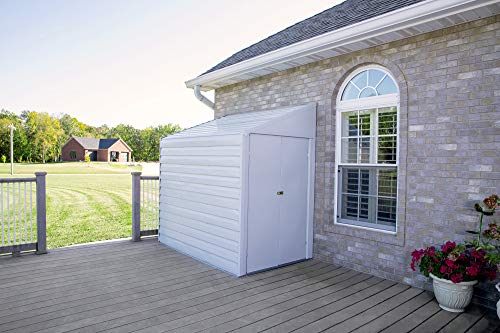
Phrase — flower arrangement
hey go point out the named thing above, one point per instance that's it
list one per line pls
(473, 260)
(458, 263)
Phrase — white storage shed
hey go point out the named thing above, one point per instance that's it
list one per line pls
(237, 192)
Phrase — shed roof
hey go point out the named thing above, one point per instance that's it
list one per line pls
(95, 143)
(247, 122)
(336, 17)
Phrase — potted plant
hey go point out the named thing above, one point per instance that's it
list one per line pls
(455, 269)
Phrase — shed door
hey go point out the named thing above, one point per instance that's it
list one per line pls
(277, 223)
(263, 209)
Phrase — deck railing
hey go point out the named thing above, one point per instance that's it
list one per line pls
(145, 205)
(19, 232)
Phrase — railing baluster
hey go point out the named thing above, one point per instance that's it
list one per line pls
(25, 217)
(8, 212)
(14, 211)
(3, 222)
(31, 211)
(20, 224)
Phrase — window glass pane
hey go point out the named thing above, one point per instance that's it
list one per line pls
(368, 92)
(387, 183)
(386, 214)
(365, 122)
(387, 149)
(374, 77)
(387, 86)
(349, 150)
(350, 123)
(387, 121)
(350, 92)
(365, 149)
(360, 80)
(349, 206)
(350, 181)
(364, 186)
(364, 208)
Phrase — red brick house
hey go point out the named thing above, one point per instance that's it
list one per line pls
(101, 150)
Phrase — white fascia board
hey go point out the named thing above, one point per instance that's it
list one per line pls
(403, 18)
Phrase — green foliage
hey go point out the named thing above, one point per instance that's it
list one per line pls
(39, 137)
(4, 158)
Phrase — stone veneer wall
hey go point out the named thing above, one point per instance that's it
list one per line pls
(449, 148)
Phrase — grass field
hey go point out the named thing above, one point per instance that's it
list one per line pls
(69, 168)
(86, 202)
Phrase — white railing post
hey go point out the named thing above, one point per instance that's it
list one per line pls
(41, 213)
(136, 206)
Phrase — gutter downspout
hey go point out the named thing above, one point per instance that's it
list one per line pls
(203, 99)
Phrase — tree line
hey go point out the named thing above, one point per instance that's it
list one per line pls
(39, 137)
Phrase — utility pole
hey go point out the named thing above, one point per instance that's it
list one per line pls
(12, 128)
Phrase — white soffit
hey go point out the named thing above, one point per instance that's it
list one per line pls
(406, 22)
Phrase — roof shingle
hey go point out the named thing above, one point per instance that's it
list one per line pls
(339, 16)
(94, 143)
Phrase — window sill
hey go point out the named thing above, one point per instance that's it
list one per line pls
(366, 226)
(378, 235)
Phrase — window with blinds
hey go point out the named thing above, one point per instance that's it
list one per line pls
(367, 151)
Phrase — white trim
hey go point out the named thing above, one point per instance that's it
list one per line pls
(375, 102)
(403, 18)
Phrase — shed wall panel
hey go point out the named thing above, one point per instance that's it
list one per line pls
(200, 195)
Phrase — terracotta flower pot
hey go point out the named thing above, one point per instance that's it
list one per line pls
(453, 297)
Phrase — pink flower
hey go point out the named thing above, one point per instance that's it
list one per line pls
(456, 278)
(443, 269)
(449, 263)
(449, 246)
(472, 271)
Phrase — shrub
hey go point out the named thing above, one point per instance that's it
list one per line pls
(4, 158)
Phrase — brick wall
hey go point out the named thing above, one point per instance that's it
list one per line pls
(72, 145)
(449, 157)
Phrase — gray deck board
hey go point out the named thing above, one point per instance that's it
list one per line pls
(143, 287)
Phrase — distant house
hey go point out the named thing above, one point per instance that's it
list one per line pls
(101, 150)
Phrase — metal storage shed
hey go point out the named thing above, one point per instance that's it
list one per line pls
(237, 192)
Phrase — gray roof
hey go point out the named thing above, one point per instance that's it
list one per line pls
(94, 143)
(339, 16)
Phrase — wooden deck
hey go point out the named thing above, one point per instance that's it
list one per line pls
(146, 287)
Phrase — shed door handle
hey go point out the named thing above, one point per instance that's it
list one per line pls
(279, 193)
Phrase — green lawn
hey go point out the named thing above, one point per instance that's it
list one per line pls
(69, 168)
(86, 202)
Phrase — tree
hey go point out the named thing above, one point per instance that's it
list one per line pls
(45, 134)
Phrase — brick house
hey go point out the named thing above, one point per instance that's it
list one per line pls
(100, 150)
(418, 79)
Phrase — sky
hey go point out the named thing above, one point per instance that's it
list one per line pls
(126, 61)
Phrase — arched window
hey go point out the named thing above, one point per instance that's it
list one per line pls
(367, 150)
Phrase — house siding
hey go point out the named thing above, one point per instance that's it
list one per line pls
(449, 158)
(121, 148)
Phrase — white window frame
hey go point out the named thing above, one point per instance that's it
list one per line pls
(388, 100)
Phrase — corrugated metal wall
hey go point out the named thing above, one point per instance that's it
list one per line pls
(200, 198)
